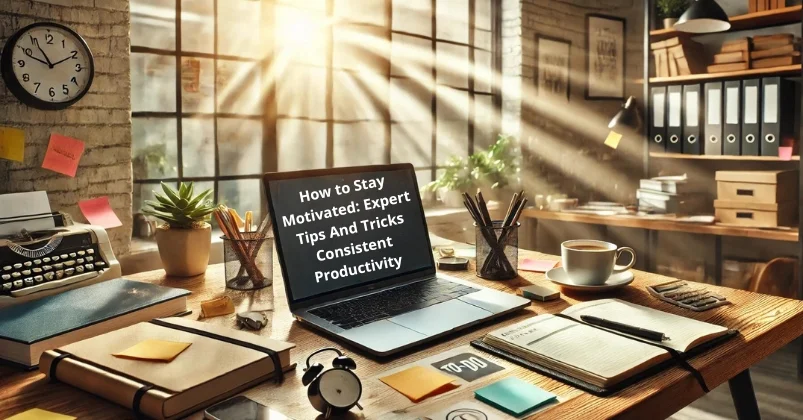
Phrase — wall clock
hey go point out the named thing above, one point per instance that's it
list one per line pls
(47, 66)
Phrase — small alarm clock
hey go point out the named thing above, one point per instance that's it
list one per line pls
(332, 392)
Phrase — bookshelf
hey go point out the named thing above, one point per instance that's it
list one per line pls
(704, 77)
(764, 19)
(662, 155)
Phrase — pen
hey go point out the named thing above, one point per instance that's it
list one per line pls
(627, 329)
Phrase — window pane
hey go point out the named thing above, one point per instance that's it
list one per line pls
(197, 84)
(452, 65)
(360, 48)
(144, 192)
(153, 23)
(483, 71)
(238, 87)
(411, 56)
(423, 177)
(411, 101)
(198, 25)
(153, 147)
(239, 146)
(300, 35)
(414, 16)
(302, 144)
(359, 144)
(153, 83)
(485, 117)
(242, 195)
(482, 14)
(452, 18)
(239, 23)
(452, 115)
(198, 146)
(301, 91)
(359, 97)
(319, 5)
(362, 11)
(201, 186)
(411, 143)
(483, 39)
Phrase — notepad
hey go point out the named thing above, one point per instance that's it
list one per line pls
(541, 266)
(12, 144)
(39, 414)
(514, 396)
(419, 382)
(154, 350)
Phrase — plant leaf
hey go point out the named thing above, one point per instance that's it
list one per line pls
(170, 193)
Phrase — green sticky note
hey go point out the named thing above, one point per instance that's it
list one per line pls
(514, 396)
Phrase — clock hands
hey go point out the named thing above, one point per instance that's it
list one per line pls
(61, 61)
(36, 41)
(27, 51)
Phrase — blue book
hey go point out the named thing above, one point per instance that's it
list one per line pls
(29, 329)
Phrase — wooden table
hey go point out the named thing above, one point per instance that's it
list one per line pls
(766, 324)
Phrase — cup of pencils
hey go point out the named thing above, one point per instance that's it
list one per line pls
(497, 240)
(247, 250)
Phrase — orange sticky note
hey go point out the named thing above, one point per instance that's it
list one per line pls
(39, 414)
(99, 212)
(12, 144)
(154, 350)
(541, 266)
(419, 382)
(613, 139)
(63, 154)
(785, 152)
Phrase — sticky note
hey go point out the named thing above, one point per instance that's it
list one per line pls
(785, 152)
(419, 382)
(514, 396)
(613, 139)
(39, 414)
(217, 307)
(12, 144)
(541, 266)
(99, 212)
(153, 350)
(63, 154)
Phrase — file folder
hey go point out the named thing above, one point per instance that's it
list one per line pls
(713, 118)
(692, 121)
(674, 127)
(732, 125)
(777, 113)
(658, 124)
(751, 115)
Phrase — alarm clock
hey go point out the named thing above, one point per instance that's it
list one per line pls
(334, 391)
(47, 66)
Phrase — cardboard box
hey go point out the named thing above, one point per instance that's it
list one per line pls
(757, 186)
(761, 215)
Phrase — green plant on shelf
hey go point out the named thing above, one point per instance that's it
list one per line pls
(671, 8)
(497, 168)
(180, 209)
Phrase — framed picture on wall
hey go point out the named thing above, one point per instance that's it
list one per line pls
(553, 57)
(605, 57)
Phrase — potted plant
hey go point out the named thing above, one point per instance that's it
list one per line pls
(185, 237)
(671, 10)
(453, 182)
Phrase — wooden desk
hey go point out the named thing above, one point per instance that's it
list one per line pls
(766, 323)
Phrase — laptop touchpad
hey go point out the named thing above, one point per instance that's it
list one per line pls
(441, 317)
(382, 336)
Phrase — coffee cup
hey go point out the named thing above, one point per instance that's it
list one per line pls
(590, 262)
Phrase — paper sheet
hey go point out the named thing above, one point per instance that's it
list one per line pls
(99, 212)
(63, 154)
(514, 396)
(419, 382)
(540, 266)
(18, 206)
(39, 414)
(613, 139)
(153, 350)
(12, 144)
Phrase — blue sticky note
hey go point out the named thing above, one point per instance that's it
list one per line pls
(514, 396)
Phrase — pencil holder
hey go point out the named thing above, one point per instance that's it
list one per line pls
(497, 251)
(248, 261)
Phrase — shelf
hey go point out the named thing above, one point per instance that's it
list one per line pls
(662, 155)
(769, 71)
(664, 224)
(764, 19)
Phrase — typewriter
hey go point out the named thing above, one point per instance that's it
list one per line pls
(41, 263)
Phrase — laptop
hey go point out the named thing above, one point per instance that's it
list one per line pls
(357, 263)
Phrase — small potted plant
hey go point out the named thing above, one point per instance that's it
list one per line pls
(185, 237)
(453, 182)
(671, 10)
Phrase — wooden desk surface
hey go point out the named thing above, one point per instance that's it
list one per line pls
(766, 324)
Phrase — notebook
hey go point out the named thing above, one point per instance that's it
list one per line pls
(596, 356)
(219, 363)
(514, 396)
(28, 329)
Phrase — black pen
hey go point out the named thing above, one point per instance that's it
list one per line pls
(624, 328)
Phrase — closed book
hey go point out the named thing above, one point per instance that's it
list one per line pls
(658, 119)
(669, 42)
(774, 52)
(776, 61)
(661, 64)
(732, 125)
(674, 123)
(713, 118)
(760, 39)
(730, 57)
(770, 44)
(780, 99)
(27, 330)
(751, 116)
(667, 186)
(692, 121)
(721, 68)
(218, 363)
(742, 44)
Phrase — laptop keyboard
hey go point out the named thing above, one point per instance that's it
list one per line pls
(391, 302)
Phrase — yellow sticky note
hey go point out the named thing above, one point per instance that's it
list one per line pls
(419, 382)
(12, 144)
(613, 139)
(39, 414)
(153, 350)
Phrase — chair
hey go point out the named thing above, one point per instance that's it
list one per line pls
(778, 277)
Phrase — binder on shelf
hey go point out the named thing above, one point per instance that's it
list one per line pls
(674, 125)
(751, 123)
(691, 121)
(777, 113)
(658, 124)
(732, 126)
(713, 118)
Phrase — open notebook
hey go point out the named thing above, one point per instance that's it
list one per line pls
(594, 355)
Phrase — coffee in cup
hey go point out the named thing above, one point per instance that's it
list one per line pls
(590, 262)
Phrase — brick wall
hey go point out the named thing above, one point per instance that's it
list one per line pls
(563, 142)
(101, 119)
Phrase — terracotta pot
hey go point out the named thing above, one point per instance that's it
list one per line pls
(670, 22)
(184, 252)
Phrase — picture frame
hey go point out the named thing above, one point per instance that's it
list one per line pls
(605, 57)
(553, 66)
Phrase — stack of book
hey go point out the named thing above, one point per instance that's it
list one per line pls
(733, 56)
(775, 50)
(669, 195)
(678, 56)
(762, 5)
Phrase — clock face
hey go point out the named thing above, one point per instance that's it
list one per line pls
(47, 66)
(340, 388)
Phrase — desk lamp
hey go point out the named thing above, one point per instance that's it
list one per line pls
(702, 17)
(627, 118)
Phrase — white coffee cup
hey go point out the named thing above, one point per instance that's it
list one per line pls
(590, 262)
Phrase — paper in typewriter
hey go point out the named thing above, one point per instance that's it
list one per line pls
(29, 210)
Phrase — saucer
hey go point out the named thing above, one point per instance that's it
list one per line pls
(558, 276)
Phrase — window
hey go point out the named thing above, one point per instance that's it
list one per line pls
(343, 82)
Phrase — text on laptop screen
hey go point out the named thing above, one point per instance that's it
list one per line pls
(343, 230)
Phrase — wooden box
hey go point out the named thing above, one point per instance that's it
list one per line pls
(757, 186)
(760, 215)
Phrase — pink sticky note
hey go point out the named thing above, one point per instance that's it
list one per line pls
(63, 154)
(541, 266)
(785, 152)
(99, 212)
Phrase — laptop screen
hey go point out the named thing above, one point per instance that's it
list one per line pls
(348, 229)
